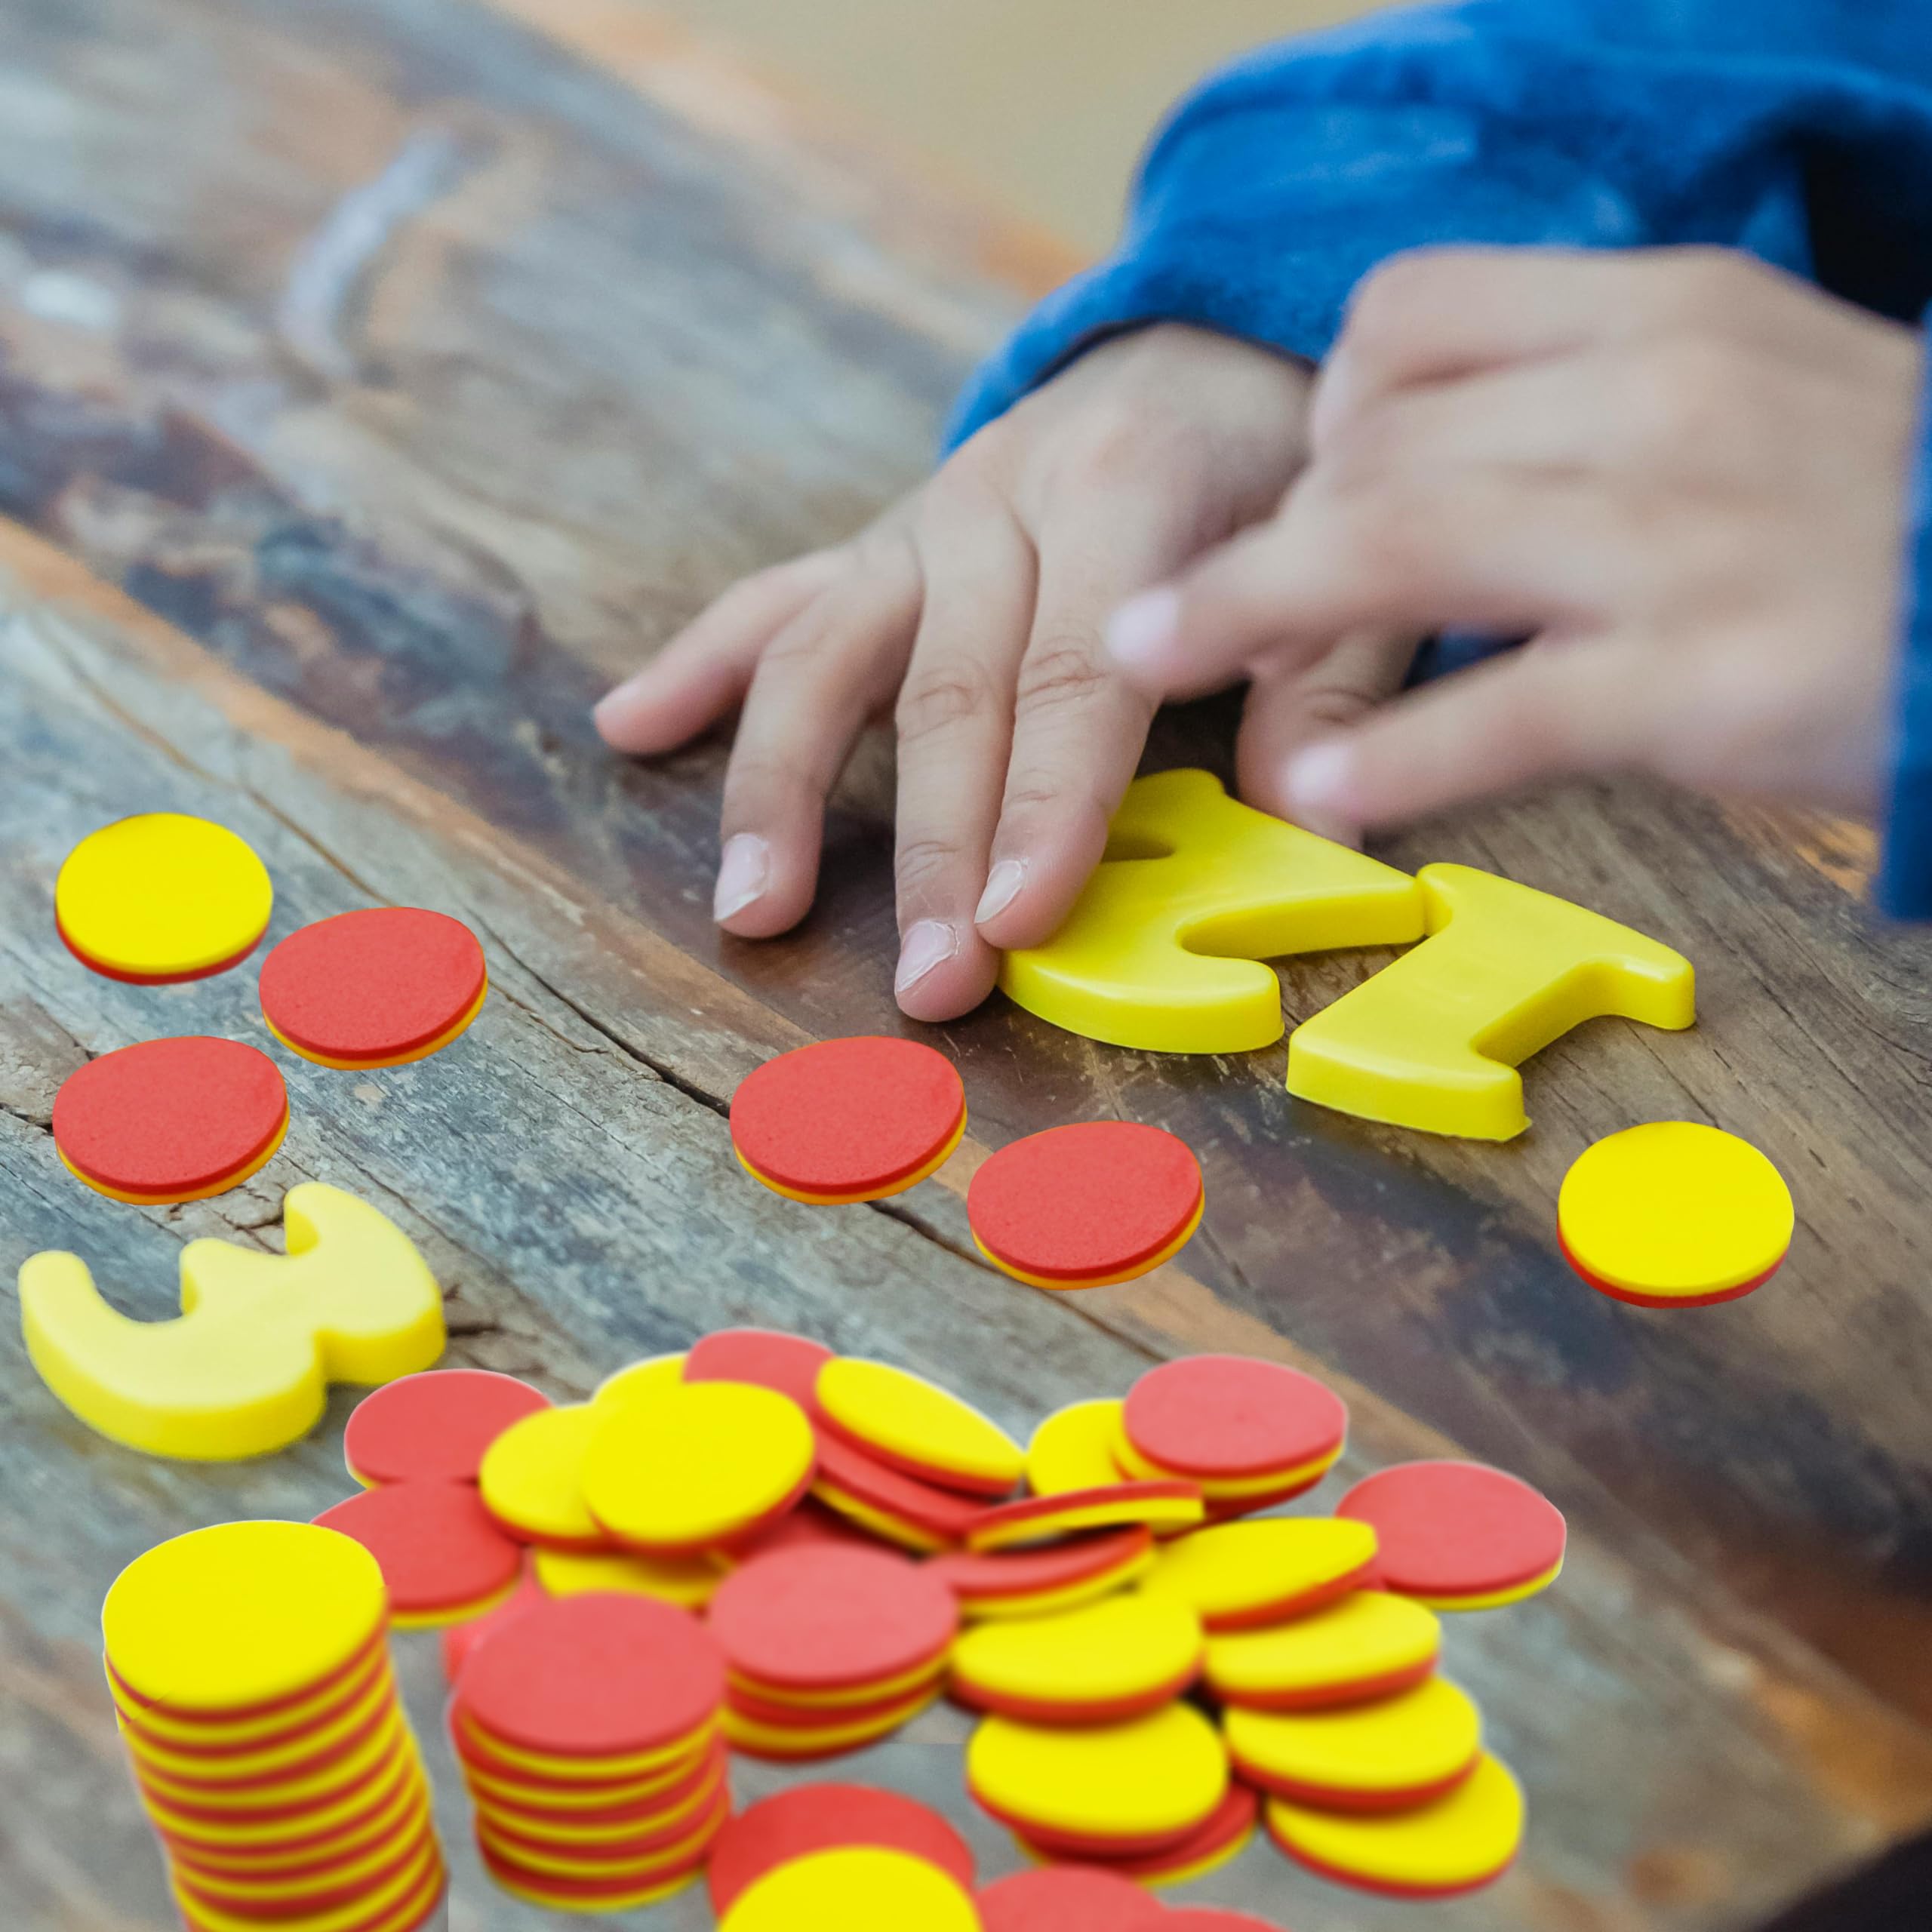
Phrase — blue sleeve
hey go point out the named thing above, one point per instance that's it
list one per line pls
(1904, 877)
(1799, 130)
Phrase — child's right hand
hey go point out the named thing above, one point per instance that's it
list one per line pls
(979, 601)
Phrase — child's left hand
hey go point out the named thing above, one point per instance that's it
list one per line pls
(1682, 475)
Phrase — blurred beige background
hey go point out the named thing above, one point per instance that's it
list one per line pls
(1043, 104)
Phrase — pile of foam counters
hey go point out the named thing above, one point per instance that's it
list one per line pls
(823, 1545)
(252, 1685)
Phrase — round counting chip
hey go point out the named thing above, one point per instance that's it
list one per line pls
(829, 1619)
(531, 1478)
(1458, 1535)
(1068, 1898)
(596, 1676)
(1232, 1419)
(1079, 1207)
(767, 1357)
(1387, 1756)
(1371, 1645)
(1105, 1561)
(1105, 1662)
(1139, 1786)
(233, 1620)
(378, 987)
(700, 1464)
(1235, 1576)
(1073, 1449)
(688, 1581)
(441, 1552)
(848, 1120)
(916, 1426)
(162, 897)
(855, 1888)
(825, 1817)
(915, 1515)
(757, 1737)
(1460, 1842)
(434, 1427)
(170, 1120)
(638, 1380)
(1675, 1214)
(1224, 1837)
(1166, 1509)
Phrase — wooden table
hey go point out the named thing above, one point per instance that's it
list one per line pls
(379, 378)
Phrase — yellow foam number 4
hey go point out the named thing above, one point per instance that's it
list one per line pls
(1161, 950)
(1433, 1040)
(245, 1369)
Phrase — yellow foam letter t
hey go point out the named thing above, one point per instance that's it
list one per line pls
(1433, 1040)
(1160, 950)
(245, 1367)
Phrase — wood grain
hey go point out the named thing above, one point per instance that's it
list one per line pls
(426, 373)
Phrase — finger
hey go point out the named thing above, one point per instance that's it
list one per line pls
(1284, 714)
(1554, 709)
(706, 669)
(1078, 726)
(1503, 551)
(955, 732)
(815, 685)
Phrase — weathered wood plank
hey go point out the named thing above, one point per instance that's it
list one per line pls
(568, 1173)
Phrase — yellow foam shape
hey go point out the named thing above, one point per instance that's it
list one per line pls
(531, 1477)
(1498, 1599)
(242, 1614)
(1367, 1635)
(1417, 1738)
(1073, 1449)
(561, 1865)
(695, 1464)
(1122, 1646)
(856, 1889)
(245, 1369)
(881, 1522)
(413, 1887)
(319, 1788)
(1456, 1841)
(566, 1831)
(454, 1030)
(1433, 1041)
(1230, 1571)
(689, 1581)
(162, 896)
(907, 1418)
(1049, 1602)
(1674, 1210)
(1160, 950)
(774, 1740)
(680, 1752)
(1163, 1773)
(644, 1895)
(248, 1767)
(641, 1379)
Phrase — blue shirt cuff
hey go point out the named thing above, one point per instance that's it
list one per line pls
(1905, 874)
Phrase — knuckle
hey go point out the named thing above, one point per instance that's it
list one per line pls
(1707, 283)
(1391, 302)
(1687, 393)
(1061, 670)
(760, 788)
(921, 862)
(935, 700)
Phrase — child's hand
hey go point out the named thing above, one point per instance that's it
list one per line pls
(979, 601)
(1684, 475)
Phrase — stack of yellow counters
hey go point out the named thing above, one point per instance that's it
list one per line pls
(250, 1675)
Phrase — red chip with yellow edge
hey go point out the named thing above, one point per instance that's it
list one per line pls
(1458, 1535)
(767, 1357)
(1232, 1418)
(848, 1120)
(170, 1120)
(377, 987)
(827, 1619)
(1165, 1507)
(976, 1575)
(442, 1554)
(1083, 1206)
(434, 1427)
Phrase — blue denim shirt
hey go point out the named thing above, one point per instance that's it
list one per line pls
(1800, 130)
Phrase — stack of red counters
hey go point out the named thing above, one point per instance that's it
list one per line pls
(1251, 1433)
(830, 1648)
(416, 1445)
(252, 1684)
(588, 1732)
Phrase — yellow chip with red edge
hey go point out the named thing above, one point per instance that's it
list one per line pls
(1120, 1658)
(1073, 1448)
(854, 1889)
(916, 1426)
(1458, 1843)
(1675, 1214)
(531, 1478)
(1371, 1645)
(1236, 1576)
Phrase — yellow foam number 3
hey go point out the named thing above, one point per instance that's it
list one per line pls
(245, 1369)
(1160, 951)
(1433, 1041)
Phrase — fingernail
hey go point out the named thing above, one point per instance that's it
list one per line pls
(1003, 885)
(931, 942)
(744, 870)
(1143, 627)
(1317, 777)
